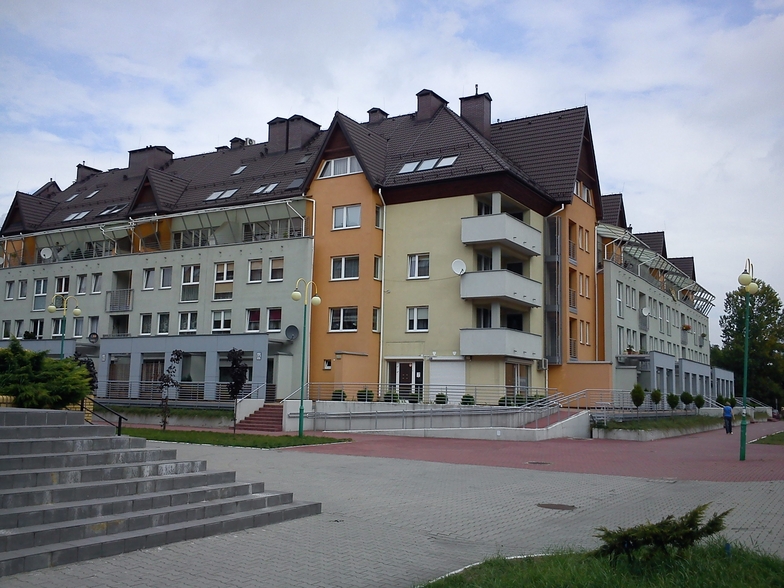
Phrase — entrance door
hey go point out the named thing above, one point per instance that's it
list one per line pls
(406, 378)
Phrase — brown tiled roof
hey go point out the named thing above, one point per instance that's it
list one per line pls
(369, 147)
(685, 264)
(655, 241)
(27, 212)
(613, 212)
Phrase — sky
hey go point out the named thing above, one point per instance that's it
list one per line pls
(686, 99)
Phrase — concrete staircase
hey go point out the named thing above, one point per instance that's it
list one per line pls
(269, 418)
(70, 492)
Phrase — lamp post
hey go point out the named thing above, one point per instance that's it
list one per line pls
(296, 295)
(746, 280)
(53, 308)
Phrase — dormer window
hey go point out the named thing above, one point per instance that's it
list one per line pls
(340, 167)
(239, 170)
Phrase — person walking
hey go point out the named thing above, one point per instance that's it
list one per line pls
(728, 418)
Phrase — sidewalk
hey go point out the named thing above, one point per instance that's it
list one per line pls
(400, 511)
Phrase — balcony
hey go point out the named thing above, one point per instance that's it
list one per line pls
(573, 349)
(572, 300)
(502, 229)
(501, 285)
(119, 300)
(507, 342)
(573, 252)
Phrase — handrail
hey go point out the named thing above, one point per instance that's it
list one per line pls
(120, 417)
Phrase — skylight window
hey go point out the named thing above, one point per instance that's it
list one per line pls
(295, 184)
(76, 216)
(72, 197)
(303, 159)
(91, 194)
(427, 164)
(115, 208)
(270, 188)
(265, 189)
(239, 170)
(221, 195)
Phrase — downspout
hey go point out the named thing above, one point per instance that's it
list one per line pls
(547, 371)
(383, 274)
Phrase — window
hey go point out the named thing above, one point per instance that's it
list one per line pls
(78, 327)
(115, 208)
(273, 320)
(265, 189)
(280, 228)
(484, 263)
(6, 329)
(340, 167)
(194, 238)
(343, 319)
(9, 290)
(239, 170)
(634, 298)
(76, 216)
(188, 322)
(19, 328)
(81, 284)
(166, 277)
(163, 323)
(419, 265)
(483, 318)
(91, 194)
(376, 324)
(224, 281)
(661, 317)
(39, 294)
(93, 325)
(221, 321)
(254, 270)
(346, 217)
(146, 325)
(276, 269)
(62, 284)
(220, 195)
(96, 284)
(628, 296)
(669, 310)
(345, 268)
(148, 278)
(99, 248)
(379, 217)
(619, 300)
(37, 328)
(587, 286)
(580, 232)
(483, 208)
(621, 347)
(587, 241)
(296, 183)
(190, 283)
(253, 320)
(417, 318)
(327, 364)
(427, 164)
(580, 282)
(58, 325)
(376, 267)
(587, 333)
(22, 289)
(582, 331)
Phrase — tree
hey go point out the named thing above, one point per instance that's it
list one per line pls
(656, 397)
(638, 397)
(38, 381)
(672, 401)
(699, 402)
(166, 381)
(239, 375)
(687, 399)
(766, 343)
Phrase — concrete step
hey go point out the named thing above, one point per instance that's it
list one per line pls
(87, 458)
(17, 417)
(56, 476)
(65, 531)
(22, 497)
(45, 514)
(34, 558)
(38, 432)
(69, 444)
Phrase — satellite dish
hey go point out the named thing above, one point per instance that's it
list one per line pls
(459, 267)
(93, 338)
(646, 311)
(46, 253)
(292, 332)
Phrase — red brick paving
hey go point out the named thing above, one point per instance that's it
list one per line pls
(710, 456)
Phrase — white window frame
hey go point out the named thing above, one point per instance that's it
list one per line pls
(78, 327)
(251, 270)
(22, 293)
(81, 284)
(6, 328)
(272, 262)
(224, 318)
(166, 277)
(40, 289)
(96, 283)
(158, 329)
(142, 332)
(414, 261)
(340, 264)
(57, 327)
(248, 328)
(62, 284)
(148, 278)
(224, 274)
(342, 216)
(191, 317)
(19, 328)
(377, 267)
(413, 319)
(379, 217)
(9, 290)
(37, 328)
(343, 315)
(271, 328)
(329, 169)
(375, 324)
(191, 275)
(619, 299)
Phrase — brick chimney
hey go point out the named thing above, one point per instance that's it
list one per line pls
(84, 171)
(428, 102)
(237, 143)
(278, 129)
(376, 115)
(301, 130)
(476, 111)
(155, 156)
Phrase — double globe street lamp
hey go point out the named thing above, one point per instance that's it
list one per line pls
(53, 308)
(746, 280)
(314, 299)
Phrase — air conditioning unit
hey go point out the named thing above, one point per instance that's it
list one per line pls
(542, 364)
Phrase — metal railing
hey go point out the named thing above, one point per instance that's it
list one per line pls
(119, 300)
(85, 406)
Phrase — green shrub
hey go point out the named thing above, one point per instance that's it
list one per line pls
(733, 401)
(650, 539)
(720, 400)
(673, 400)
(656, 397)
(467, 400)
(441, 398)
(687, 399)
(390, 396)
(365, 395)
(699, 401)
(638, 396)
(338, 395)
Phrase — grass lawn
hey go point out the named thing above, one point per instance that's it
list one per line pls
(666, 423)
(228, 439)
(775, 439)
(704, 566)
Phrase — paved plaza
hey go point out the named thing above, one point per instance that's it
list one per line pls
(400, 511)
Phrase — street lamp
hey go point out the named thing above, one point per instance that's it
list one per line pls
(296, 295)
(746, 280)
(76, 312)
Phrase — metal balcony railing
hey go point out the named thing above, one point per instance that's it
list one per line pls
(572, 348)
(119, 300)
(572, 300)
(572, 251)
